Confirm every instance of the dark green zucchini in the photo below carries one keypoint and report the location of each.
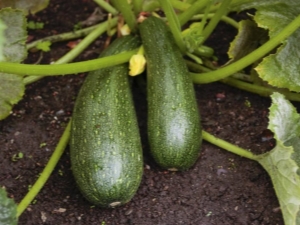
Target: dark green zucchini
(174, 129)
(105, 146)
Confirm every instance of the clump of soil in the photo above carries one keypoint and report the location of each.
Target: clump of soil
(221, 188)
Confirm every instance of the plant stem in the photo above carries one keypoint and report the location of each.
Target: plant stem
(63, 36)
(250, 58)
(196, 67)
(125, 8)
(137, 6)
(173, 23)
(225, 19)
(215, 19)
(150, 6)
(46, 172)
(261, 90)
(107, 7)
(190, 1)
(227, 146)
(70, 68)
(182, 6)
(192, 10)
(100, 29)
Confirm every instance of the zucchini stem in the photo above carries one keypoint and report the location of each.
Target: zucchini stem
(107, 7)
(173, 23)
(63, 69)
(261, 90)
(38, 185)
(125, 9)
(63, 37)
(192, 10)
(227, 146)
(223, 10)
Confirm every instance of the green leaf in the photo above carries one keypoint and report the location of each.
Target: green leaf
(8, 210)
(44, 46)
(249, 37)
(35, 25)
(11, 91)
(14, 50)
(15, 35)
(280, 69)
(282, 162)
(2, 39)
(32, 6)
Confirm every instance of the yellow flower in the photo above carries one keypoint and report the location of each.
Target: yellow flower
(137, 64)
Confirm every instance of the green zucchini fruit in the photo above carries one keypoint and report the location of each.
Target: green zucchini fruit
(174, 128)
(105, 147)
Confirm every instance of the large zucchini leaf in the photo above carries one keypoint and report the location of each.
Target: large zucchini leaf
(8, 209)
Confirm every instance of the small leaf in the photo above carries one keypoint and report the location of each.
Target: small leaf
(35, 25)
(281, 163)
(8, 210)
(44, 46)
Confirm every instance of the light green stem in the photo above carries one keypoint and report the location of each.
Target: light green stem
(107, 7)
(70, 68)
(173, 23)
(215, 19)
(38, 185)
(250, 58)
(137, 6)
(192, 10)
(225, 19)
(125, 8)
(63, 36)
(261, 90)
(182, 6)
(227, 146)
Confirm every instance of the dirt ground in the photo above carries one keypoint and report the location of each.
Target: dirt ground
(221, 188)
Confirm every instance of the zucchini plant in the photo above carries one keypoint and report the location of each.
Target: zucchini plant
(267, 44)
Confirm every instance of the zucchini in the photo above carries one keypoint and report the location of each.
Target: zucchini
(174, 129)
(105, 146)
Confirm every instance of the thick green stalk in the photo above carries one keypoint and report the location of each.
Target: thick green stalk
(150, 6)
(216, 19)
(196, 67)
(227, 146)
(190, 1)
(100, 29)
(125, 8)
(249, 59)
(63, 69)
(107, 7)
(192, 10)
(182, 6)
(35, 189)
(173, 23)
(137, 6)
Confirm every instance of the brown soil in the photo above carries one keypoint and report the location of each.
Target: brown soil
(221, 188)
